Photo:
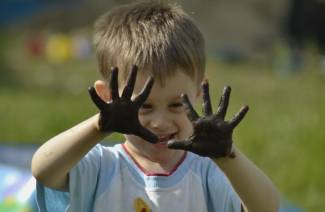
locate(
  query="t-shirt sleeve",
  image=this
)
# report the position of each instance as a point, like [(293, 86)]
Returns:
[(49, 200), (83, 180), (220, 194), (82, 184)]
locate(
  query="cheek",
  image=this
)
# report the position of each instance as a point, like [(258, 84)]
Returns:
[(143, 119), (186, 126)]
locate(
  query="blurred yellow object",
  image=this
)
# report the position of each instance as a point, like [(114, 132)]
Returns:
[(59, 48), (11, 205), (9, 201), (141, 206)]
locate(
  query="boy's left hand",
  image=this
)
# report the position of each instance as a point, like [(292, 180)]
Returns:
[(212, 135)]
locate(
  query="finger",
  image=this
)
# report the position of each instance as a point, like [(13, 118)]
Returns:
[(184, 145), (191, 113), (224, 102), (141, 98), (147, 135), (96, 99), (114, 84), (128, 90), (207, 108), (238, 117)]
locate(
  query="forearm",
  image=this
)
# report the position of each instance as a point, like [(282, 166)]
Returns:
[(252, 185), (53, 160)]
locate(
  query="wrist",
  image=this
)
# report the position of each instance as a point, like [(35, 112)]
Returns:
[(229, 155), (96, 122), (96, 125)]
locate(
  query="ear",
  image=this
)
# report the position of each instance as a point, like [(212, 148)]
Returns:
[(102, 90)]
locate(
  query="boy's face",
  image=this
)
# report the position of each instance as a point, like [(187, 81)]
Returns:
[(163, 112)]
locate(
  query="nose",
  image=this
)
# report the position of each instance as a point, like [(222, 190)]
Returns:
[(160, 121)]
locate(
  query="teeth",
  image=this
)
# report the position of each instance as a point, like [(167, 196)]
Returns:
[(165, 138)]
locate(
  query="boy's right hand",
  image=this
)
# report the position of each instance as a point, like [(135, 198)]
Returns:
[(121, 113)]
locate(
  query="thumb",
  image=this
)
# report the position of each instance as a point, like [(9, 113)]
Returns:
[(147, 135), (184, 144)]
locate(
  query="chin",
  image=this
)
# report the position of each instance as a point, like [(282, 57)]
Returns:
[(161, 145)]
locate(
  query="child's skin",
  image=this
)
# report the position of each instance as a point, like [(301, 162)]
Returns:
[(158, 128)]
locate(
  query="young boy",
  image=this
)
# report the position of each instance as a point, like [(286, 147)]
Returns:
[(172, 159)]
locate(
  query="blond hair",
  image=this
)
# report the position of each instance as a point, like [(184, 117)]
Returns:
[(159, 38)]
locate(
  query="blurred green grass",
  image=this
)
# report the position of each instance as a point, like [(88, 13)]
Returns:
[(283, 133)]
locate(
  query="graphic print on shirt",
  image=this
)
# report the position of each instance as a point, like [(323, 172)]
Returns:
[(141, 206)]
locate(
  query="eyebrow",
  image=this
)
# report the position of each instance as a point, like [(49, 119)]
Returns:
[(176, 97)]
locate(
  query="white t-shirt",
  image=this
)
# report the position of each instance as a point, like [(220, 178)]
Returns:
[(108, 179)]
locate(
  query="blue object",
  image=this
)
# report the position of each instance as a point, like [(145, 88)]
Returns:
[(15, 10), (17, 189)]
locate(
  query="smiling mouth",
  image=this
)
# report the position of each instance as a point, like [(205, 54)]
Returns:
[(165, 138)]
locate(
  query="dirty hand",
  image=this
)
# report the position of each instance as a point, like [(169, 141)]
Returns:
[(121, 113), (212, 135)]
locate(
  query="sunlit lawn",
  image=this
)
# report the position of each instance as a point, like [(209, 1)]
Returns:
[(283, 133)]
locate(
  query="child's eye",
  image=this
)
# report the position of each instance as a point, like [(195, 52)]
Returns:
[(146, 106), (176, 105)]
